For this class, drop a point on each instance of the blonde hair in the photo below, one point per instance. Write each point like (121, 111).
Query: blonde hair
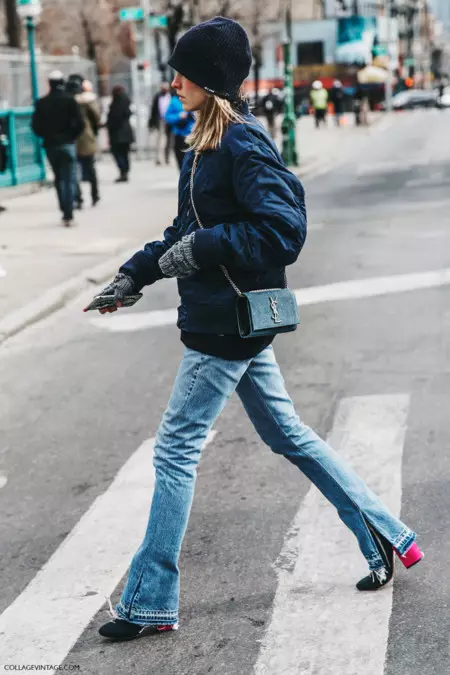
(212, 122)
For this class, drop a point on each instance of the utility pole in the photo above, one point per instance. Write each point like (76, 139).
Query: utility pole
(147, 49)
(31, 32)
(289, 121)
(29, 11)
(389, 81)
(145, 4)
(256, 48)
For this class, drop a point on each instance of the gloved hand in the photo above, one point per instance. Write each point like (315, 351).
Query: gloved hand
(179, 259)
(119, 287)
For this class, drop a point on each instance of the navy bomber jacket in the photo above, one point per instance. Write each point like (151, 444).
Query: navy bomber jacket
(253, 211)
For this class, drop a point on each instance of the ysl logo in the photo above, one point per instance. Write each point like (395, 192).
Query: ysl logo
(274, 309)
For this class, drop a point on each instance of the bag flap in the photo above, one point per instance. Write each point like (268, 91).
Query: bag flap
(272, 309)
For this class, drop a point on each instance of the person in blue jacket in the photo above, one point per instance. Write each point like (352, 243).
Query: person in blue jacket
(181, 123)
(253, 213)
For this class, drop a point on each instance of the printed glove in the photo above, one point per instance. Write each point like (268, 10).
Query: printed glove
(179, 259)
(119, 287)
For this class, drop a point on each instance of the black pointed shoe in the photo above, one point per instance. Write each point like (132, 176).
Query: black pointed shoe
(383, 575)
(121, 630)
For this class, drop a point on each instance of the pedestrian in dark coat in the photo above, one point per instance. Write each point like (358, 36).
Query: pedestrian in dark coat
(272, 107)
(120, 131)
(74, 88)
(337, 98)
(239, 207)
(58, 120)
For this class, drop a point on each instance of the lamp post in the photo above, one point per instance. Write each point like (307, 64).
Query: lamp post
(289, 122)
(30, 26)
(390, 74)
(29, 11)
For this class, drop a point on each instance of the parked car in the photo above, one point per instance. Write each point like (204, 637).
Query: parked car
(413, 98)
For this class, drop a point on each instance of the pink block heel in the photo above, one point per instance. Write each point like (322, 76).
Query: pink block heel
(412, 556)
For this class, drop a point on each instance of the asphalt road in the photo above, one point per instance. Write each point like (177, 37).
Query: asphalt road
(77, 400)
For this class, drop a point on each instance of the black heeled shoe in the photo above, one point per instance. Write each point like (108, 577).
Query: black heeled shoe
(383, 575)
(121, 630)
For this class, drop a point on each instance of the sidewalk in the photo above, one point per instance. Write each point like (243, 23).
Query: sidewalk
(43, 265)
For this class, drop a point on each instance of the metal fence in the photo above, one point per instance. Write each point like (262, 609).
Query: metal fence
(15, 82)
(24, 155)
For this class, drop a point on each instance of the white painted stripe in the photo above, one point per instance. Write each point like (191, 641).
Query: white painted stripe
(344, 290)
(2, 271)
(45, 621)
(434, 178)
(3, 480)
(366, 288)
(125, 323)
(320, 622)
(391, 166)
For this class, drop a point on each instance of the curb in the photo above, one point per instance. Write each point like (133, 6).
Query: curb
(58, 296)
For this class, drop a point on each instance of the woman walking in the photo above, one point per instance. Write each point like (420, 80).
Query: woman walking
(241, 220)
(120, 131)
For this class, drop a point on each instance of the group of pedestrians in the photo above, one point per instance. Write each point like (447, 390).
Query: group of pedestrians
(68, 120)
(171, 124)
(320, 99)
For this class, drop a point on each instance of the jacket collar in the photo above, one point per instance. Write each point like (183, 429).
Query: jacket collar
(241, 106)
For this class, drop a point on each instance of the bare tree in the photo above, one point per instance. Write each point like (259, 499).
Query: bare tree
(12, 24)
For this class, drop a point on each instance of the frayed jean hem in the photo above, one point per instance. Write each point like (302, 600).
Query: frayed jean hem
(145, 617)
(404, 540)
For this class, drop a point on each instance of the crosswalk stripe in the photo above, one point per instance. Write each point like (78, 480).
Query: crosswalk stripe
(344, 290)
(320, 622)
(44, 622)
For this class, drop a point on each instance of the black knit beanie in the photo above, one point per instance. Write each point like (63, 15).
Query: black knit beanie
(215, 55)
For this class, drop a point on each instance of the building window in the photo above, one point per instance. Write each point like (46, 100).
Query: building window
(310, 53)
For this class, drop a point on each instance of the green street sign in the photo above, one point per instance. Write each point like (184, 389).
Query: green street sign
(158, 21)
(27, 8)
(131, 14)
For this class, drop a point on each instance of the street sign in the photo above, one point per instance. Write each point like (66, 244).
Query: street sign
(131, 14)
(27, 8)
(158, 21)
